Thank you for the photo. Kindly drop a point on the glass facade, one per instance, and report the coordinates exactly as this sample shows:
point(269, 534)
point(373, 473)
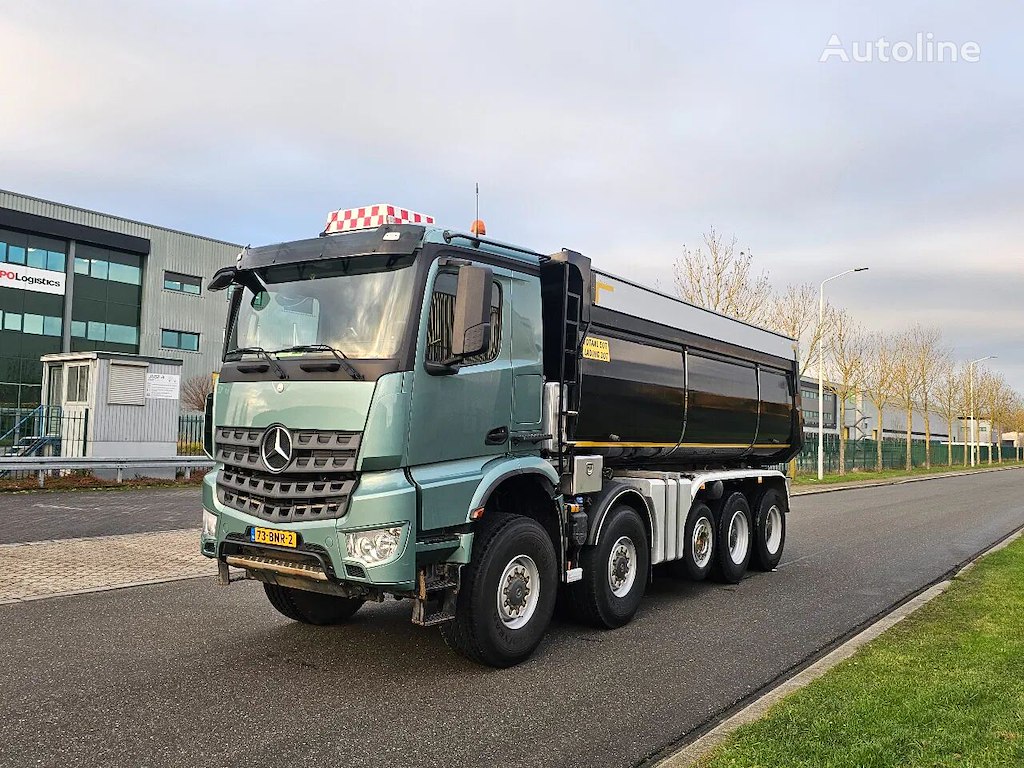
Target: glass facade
point(30, 322)
point(106, 301)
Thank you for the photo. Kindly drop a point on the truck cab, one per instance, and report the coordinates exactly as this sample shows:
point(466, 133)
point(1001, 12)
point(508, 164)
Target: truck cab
point(392, 417)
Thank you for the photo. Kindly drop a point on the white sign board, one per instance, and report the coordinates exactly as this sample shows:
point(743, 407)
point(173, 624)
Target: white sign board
point(24, 278)
point(163, 386)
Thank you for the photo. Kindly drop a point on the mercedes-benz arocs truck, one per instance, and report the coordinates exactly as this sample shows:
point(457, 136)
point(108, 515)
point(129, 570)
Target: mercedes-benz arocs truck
point(474, 427)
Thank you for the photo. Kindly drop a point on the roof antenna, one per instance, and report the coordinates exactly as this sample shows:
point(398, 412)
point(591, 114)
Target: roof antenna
point(478, 228)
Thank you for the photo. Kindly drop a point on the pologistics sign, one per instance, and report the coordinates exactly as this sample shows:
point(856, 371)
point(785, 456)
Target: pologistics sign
point(31, 279)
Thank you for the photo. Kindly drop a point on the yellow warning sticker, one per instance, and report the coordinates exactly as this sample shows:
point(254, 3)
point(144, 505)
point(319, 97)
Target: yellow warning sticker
point(596, 349)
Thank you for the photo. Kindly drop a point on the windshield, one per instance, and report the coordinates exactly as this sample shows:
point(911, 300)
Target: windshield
point(359, 306)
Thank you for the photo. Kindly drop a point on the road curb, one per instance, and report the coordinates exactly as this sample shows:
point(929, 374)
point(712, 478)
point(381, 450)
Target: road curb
point(900, 481)
point(698, 749)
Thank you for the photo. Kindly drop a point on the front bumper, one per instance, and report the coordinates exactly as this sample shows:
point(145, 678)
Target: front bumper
point(382, 499)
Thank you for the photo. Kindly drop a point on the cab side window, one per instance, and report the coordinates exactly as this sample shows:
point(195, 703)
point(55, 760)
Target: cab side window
point(442, 318)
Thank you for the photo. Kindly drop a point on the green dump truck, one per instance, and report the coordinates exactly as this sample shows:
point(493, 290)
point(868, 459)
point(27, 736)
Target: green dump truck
point(435, 416)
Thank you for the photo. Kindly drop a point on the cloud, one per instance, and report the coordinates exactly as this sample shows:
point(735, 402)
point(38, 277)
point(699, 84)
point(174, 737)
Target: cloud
point(622, 131)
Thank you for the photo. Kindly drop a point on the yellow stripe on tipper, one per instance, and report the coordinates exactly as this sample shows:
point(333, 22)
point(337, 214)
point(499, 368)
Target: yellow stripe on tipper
point(596, 349)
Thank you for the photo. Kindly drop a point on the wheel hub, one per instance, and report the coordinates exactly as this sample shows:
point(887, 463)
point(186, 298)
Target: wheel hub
point(622, 566)
point(517, 589)
point(518, 592)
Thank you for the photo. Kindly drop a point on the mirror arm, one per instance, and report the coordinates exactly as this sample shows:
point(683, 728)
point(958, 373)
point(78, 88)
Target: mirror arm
point(447, 368)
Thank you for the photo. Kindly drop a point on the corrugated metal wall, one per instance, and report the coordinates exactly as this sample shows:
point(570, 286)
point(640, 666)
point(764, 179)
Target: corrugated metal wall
point(171, 250)
point(157, 421)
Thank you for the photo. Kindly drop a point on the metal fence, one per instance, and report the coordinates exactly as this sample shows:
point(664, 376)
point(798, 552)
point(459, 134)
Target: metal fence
point(863, 454)
point(190, 434)
point(43, 431)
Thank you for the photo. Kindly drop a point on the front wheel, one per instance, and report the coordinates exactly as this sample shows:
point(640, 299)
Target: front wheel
point(311, 607)
point(614, 572)
point(507, 593)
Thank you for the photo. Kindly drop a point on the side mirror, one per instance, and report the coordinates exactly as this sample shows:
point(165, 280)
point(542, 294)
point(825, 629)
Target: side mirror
point(222, 279)
point(471, 330)
point(228, 276)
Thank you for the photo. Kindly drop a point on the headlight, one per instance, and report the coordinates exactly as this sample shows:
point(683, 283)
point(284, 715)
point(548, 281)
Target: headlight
point(209, 524)
point(375, 546)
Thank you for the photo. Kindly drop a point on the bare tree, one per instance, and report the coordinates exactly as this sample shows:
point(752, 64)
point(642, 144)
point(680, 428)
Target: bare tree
point(846, 363)
point(717, 276)
point(930, 355)
point(906, 384)
point(951, 396)
point(995, 401)
point(879, 380)
point(794, 313)
point(194, 392)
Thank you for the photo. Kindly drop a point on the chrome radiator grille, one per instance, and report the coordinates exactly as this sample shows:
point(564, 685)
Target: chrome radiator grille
point(315, 483)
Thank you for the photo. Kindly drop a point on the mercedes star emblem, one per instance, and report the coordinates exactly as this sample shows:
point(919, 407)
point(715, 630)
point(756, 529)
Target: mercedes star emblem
point(276, 448)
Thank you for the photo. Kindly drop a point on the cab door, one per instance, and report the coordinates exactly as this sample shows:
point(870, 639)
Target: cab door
point(463, 416)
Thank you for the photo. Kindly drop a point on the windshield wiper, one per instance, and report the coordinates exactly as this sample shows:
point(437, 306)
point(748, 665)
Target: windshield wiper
point(341, 356)
point(261, 352)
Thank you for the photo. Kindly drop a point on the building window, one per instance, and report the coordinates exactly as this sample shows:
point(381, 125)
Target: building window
point(32, 251)
point(104, 264)
point(113, 333)
point(179, 340)
point(175, 281)
point(78, 384)
point(107, 300)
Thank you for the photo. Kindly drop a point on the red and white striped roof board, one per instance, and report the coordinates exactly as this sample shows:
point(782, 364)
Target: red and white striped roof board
point(373, 216)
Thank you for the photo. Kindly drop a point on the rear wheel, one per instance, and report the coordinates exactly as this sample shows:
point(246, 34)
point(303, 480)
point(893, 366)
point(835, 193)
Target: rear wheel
point(769, 530)
point(311, 607)
point(507, 593)
point(699, 545)
point(614, 572)
point(734, 529)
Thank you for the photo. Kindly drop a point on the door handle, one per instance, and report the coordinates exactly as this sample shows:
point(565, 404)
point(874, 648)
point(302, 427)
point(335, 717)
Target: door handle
point(497, 436)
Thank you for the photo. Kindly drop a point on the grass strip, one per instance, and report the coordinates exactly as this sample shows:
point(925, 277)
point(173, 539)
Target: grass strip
point(867, 476)
point(943, 688)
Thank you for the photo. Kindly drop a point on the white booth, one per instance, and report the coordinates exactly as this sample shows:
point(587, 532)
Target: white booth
point(113, 405)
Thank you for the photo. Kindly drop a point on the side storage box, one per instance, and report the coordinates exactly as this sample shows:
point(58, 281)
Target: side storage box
point(668, 494)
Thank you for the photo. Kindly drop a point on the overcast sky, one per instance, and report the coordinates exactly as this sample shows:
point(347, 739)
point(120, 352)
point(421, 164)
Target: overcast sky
point(621, 130)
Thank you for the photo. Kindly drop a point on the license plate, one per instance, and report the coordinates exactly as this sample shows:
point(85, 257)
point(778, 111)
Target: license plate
point(271, 536)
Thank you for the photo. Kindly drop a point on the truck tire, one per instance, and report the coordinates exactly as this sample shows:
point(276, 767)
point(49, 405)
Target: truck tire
point(769, 530)
point(733, 531)
point(311, 607)
point(614, 572)
point(699, 546)
point(507, 593)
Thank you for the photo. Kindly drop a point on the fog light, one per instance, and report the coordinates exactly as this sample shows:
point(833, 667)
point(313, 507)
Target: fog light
point(209, 524)
point(374, 547)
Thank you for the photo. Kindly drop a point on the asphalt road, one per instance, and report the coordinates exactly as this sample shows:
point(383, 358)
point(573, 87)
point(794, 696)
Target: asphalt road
point(36, 516)
point(193, 674)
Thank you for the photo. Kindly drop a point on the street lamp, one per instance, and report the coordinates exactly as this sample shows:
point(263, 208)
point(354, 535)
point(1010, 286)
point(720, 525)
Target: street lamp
point(974, 418)
point(821, 365)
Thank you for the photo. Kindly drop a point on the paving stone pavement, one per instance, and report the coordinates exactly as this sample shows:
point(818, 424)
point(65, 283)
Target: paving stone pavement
point(49, 568)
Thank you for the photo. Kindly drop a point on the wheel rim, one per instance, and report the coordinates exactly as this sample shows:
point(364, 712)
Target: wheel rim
point(773, 530)
point(739, 536)
point(622, 566)
point(701, 542)
point(518, 592)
